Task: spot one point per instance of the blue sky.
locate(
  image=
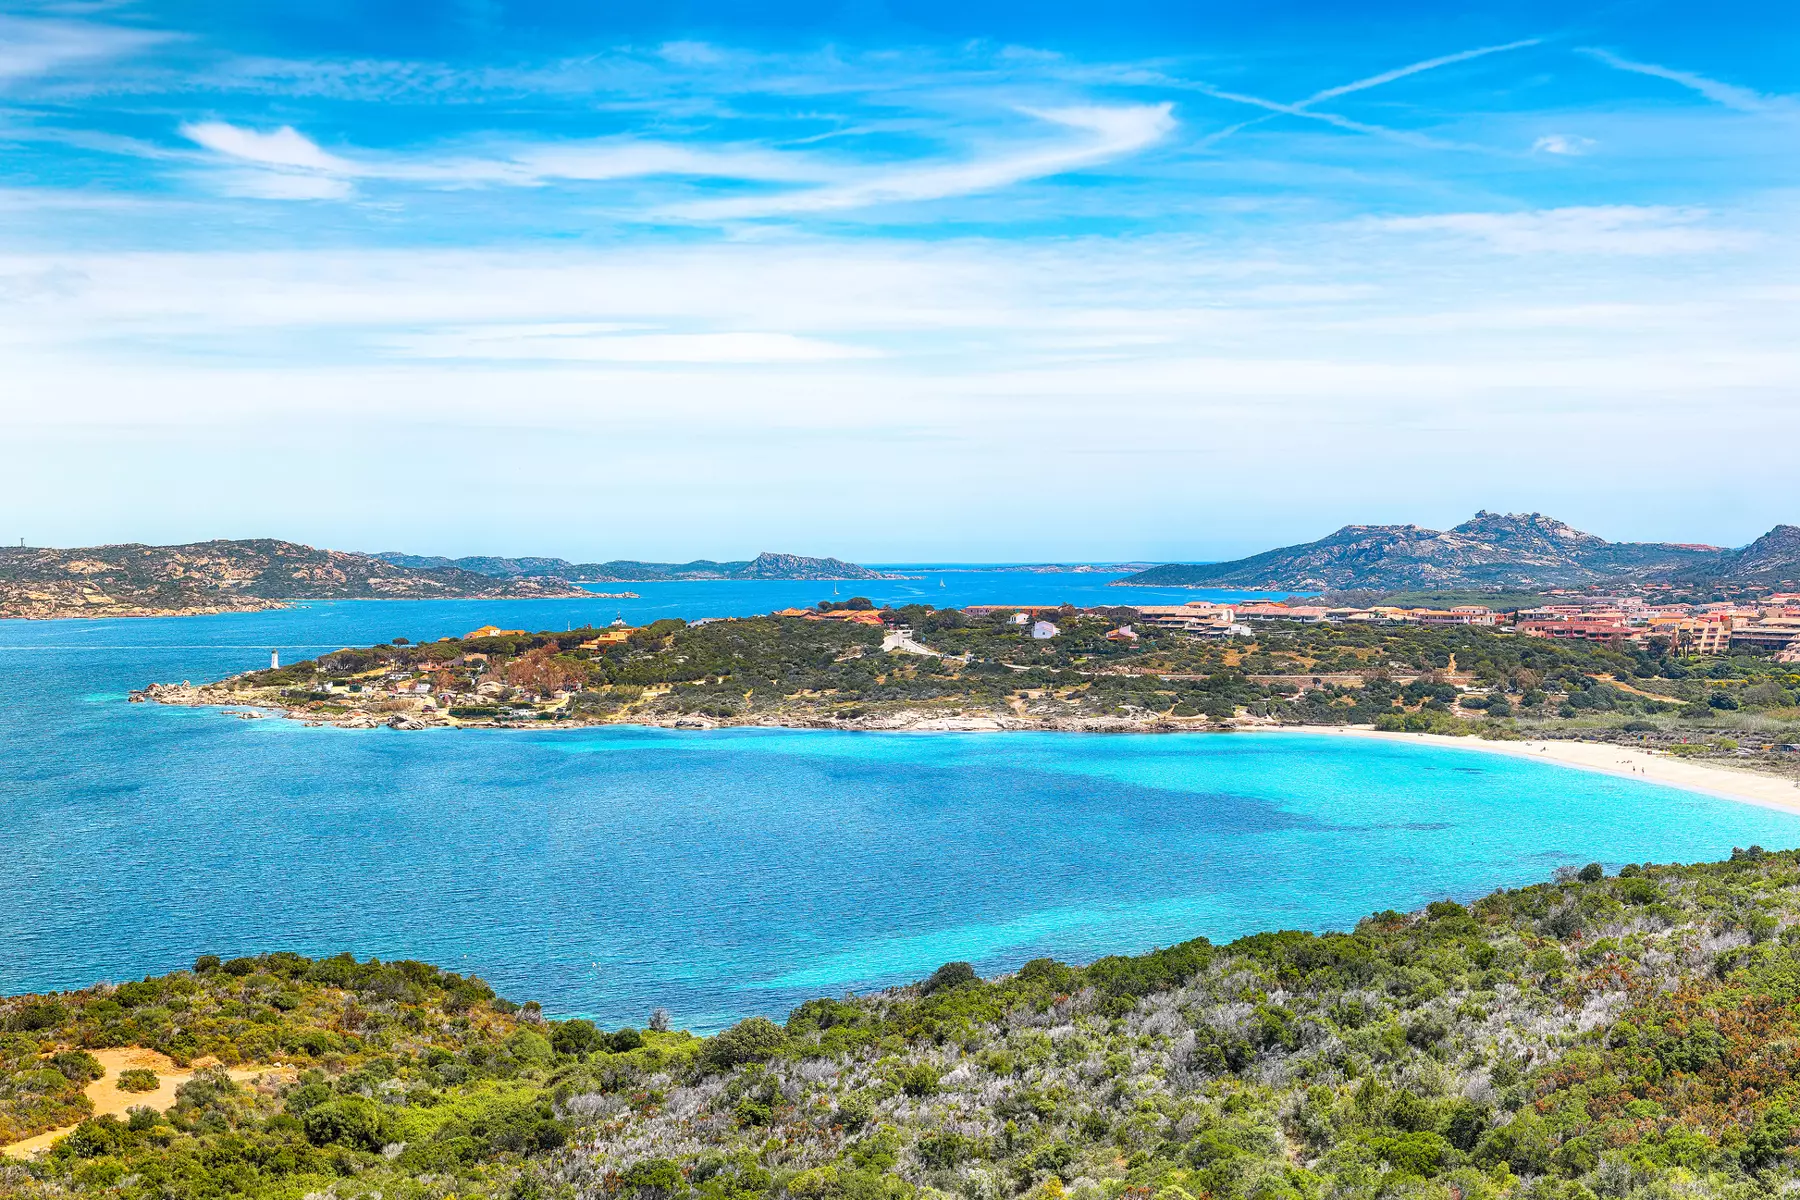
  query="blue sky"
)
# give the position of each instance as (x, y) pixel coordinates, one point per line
(893, 281)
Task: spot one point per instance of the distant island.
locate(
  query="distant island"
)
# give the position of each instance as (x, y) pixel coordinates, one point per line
(763, 566)
(134, 580)
(1489, 551)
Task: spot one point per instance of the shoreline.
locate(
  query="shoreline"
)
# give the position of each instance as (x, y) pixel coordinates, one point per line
(1625, 762)
(1743, 785)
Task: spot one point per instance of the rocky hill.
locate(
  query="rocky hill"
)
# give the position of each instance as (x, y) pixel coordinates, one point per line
(763, 566)
(227, 576)
(1513, 550)
(1773, 558)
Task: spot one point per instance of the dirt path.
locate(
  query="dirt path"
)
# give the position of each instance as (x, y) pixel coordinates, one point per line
(108, 1099)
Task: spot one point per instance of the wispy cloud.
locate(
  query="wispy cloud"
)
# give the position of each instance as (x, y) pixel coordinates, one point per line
(289, 165)
(1568, 145)
(1730, 95)
(1304, 108)
(34, 47)
(1101, 134)
(1595, 230)
(286, 155)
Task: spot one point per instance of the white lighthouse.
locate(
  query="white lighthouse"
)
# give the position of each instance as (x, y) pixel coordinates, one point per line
(274, 660)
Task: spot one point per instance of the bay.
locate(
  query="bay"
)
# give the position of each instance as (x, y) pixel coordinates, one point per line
(723, 873)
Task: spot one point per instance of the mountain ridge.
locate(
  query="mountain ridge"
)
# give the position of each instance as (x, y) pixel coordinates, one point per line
(1490, 550)
(767, 565)
(227, 575)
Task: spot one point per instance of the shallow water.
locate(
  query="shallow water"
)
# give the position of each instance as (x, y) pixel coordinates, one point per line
(606, 871)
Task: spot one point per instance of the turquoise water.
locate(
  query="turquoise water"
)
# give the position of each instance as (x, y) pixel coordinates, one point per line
(723, 873)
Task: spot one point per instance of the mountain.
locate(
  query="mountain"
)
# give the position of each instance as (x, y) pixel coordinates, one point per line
(1773, 558)
(1511, 550)
(763, 566)
(223, 576)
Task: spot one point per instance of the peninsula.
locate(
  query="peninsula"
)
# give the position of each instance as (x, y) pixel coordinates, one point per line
(1600, 1034)
(1688, 685)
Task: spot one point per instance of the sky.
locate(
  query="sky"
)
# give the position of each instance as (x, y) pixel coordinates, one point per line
(894, 281)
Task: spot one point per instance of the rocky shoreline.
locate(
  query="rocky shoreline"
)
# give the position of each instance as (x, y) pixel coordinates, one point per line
(418, 715)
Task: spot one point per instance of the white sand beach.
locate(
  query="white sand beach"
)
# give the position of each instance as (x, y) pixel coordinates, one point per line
(1730, 783)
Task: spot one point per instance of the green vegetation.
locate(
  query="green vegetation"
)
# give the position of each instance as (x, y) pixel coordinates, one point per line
(792, 670)
(1591, 1038)
(137, 1079)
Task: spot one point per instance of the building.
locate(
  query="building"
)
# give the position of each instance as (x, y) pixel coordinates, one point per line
(1044, 631)
(1200, 616)
(1709, 634)
(1311, 614)
(1123, 633)
(1583, 629)
(1462, 614)
(612, 637)
(988, 610)
(487, 631)
(1774, 634)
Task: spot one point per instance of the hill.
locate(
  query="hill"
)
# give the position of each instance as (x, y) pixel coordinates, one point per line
(1773, 558)
(1490, 550)
(226, 576)
(763, 566)
(1628, 1037)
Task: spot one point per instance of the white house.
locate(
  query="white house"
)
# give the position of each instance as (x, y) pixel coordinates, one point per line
(1044, 630)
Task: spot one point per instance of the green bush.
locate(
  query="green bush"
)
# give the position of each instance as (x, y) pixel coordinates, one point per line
(138, 1079)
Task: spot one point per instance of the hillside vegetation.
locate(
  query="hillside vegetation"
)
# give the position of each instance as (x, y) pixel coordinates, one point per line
(1594, 1037)
(788, 670)
(225, 576)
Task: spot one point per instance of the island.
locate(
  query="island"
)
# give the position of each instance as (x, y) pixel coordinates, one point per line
(1598, 1034)
(263, 573)
(1697, 685)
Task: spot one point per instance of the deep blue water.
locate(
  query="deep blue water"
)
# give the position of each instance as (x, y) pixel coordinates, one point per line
(723, 873)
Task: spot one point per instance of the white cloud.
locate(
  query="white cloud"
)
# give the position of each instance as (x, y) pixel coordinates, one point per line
(1567, 144)
(1611, 229)
(297, 168)
(1104, 134)
(283, 148)
(32, 47)
(1730, 95)
(588, 343)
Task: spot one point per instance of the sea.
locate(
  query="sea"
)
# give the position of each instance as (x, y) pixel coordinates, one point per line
(727, 873)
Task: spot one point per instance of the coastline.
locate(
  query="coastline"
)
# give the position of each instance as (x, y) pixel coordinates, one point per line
(1745, 786)
(1726, 783)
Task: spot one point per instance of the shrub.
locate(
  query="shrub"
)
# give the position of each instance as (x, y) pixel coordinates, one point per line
(574, 1037)
(345, 1121)
(78, 1066)
(753, 1039)
(137, 1079)
(951, 974)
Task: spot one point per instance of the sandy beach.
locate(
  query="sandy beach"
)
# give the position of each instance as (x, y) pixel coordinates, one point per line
(1745, 786)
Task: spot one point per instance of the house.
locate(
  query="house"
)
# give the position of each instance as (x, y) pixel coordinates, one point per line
(1462, 614)
(1020, 618)
(1043, 631)
(1194, 617)
(1123, 633)
(612, 637)
(487, 631)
